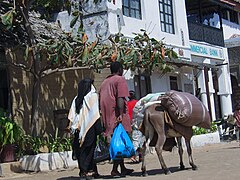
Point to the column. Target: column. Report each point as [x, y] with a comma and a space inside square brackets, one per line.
[211, 94]
[202, 85]
[225, 87]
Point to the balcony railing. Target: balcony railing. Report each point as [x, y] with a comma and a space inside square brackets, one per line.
[201, 32]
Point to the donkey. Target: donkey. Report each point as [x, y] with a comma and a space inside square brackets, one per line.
[162, 134]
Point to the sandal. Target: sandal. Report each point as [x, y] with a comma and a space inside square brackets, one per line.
[85, 176]
[96, 175]
[115, 174]
[133, 160]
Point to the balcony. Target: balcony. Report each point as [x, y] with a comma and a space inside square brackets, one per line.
[204, 33]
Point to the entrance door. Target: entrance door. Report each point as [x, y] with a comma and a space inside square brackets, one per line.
[173, 83]
[3, 82]
[142, 84]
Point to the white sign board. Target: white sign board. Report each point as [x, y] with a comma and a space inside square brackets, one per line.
[206, 51]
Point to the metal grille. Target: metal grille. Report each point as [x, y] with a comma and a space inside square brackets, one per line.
[200, 32]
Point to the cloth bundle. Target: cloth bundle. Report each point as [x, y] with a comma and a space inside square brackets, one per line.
[186, 109]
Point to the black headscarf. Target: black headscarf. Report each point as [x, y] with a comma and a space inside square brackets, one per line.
[84, 87]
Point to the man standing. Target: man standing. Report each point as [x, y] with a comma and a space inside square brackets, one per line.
[113, 105]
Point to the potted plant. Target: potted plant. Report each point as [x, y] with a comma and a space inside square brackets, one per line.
[10, 135]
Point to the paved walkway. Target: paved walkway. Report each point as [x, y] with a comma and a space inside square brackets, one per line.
[215, 162]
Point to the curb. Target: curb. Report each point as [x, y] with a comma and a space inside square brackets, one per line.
[10, 168]
[47, 161]
[204, 139]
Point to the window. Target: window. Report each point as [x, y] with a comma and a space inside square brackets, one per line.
[230, 15]
[132, 8]
[166, 16]
[173, 83]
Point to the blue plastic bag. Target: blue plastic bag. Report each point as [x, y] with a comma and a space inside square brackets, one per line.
[121, 145]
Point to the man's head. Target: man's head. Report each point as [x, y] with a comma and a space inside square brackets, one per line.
[116, 68]
[132, 95]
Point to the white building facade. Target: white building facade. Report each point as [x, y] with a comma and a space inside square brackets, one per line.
[207, 73]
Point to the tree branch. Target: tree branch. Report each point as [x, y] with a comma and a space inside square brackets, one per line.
[51, 71]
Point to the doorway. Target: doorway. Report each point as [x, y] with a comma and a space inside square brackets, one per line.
[142, 84]
[4, 90]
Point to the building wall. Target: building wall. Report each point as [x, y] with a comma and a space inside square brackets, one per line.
[151, 23]
[57, 92]
[230, 29]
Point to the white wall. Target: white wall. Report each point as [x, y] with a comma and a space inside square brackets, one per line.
[159, 83]
[151, 22]
[230, 29]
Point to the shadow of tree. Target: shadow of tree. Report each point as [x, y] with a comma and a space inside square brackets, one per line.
[57, 92]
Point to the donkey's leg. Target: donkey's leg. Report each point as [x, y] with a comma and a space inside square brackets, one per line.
[144, 147]
[180, 152]
[189, 150]
[159, 146]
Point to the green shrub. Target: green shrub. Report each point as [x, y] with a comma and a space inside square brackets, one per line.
[10, 131]
[199, 130]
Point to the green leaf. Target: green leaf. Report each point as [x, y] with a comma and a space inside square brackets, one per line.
[75, 13]
[117, 39]
[7, 18]
[26, 53]
[74, 21]
[85, 55]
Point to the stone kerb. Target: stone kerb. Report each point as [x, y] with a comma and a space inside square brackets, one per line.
[47, 161]
[204, 139]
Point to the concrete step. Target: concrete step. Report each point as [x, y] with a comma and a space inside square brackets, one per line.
[6, 169]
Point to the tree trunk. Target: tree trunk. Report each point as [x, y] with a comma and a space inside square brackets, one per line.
[37, 76]
[35, 105]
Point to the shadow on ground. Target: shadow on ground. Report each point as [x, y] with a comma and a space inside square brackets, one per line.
[151, 172]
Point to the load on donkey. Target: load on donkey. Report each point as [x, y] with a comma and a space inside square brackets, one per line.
[169, 119]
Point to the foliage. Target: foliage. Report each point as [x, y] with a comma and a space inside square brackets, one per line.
[57, 144]
[10, 131]
[140, 52]
[47, 7]
[199, 130]
[67, 51]
[34, 145]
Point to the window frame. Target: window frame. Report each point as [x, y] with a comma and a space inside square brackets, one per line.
[163, 12]
[129, 14]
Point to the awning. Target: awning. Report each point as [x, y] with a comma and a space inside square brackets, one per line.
[232, 42]
[180, 63]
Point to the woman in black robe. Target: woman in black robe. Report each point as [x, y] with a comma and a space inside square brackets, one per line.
[84, 152]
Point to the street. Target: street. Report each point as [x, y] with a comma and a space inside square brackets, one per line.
[216, 161]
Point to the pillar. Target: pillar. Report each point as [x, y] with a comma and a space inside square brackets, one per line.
[225, 87]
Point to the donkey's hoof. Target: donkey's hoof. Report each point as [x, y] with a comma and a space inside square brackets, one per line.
[194, 167]
[182, 167]
[167, 172]
[144, 174]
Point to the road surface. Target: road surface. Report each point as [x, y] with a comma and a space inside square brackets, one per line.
[215, 162]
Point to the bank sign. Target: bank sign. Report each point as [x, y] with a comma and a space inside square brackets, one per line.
[206, 51]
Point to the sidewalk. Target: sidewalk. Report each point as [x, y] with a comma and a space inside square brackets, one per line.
[216, 161]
